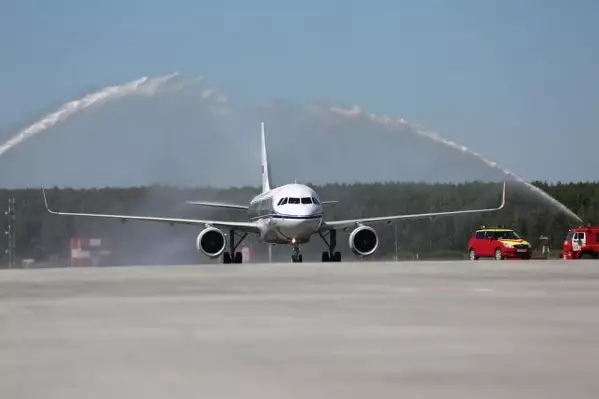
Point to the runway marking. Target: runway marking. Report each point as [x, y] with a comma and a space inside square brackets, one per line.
[482, 290]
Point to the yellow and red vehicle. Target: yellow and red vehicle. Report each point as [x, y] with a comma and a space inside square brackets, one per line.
[581, 243]
[499, 243]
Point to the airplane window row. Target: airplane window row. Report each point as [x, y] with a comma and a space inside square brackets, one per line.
[295, 200]
[261, 208]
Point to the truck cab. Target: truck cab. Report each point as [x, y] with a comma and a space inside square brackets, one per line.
[581, 243]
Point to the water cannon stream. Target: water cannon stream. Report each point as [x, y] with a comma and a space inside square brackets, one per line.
[419, 130]
[143, 86]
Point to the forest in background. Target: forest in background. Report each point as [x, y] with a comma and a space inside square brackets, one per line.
[46, 237]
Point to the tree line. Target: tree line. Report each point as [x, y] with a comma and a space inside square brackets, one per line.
[46, 237]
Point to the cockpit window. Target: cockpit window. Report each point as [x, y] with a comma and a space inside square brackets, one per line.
[306, 200]
[314, 200]
[294, 200]
[282, 201]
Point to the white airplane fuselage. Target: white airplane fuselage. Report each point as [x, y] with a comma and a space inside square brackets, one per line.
[287, 214]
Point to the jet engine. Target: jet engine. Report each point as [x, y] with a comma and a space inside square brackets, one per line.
[211, 242]
[363, 241]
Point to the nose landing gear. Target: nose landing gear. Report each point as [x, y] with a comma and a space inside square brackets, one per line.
[296, 255]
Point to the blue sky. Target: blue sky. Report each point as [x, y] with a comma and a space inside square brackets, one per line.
[515, 80]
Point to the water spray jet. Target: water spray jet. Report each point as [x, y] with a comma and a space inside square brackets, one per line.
[419, 130]
[143, 85]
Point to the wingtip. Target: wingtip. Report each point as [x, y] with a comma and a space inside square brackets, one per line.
[503, 195]
[45, 200]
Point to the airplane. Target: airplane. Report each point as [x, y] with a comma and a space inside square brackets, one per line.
[286, 215]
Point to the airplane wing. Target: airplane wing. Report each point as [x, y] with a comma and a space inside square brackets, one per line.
[217, 204]
[249, 227]
[344, 224]
[328, 202]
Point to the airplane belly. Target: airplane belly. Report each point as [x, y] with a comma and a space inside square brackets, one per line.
[300, 229]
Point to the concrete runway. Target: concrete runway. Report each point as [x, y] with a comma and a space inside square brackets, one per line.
[482, 329]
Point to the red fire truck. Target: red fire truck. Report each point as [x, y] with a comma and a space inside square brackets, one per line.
[582, 243]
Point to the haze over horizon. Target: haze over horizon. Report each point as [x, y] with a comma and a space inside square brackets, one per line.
[521, 92]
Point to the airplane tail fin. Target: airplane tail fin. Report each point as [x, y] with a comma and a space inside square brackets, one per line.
[265, 169]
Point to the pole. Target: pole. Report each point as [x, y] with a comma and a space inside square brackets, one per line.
[10, 232]
[395, 236]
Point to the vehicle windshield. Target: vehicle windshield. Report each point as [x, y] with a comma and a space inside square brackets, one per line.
[570, 234]
[505, 235]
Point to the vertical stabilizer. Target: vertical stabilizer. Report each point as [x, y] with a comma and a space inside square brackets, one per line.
[265, 168]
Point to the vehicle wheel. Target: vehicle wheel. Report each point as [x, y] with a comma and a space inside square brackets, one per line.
[325, 257]
[472, 254]
[300, 258]
[498, 254]
[337, 257]
[226, 258]
[586, 255]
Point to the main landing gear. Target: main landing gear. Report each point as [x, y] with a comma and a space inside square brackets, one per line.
[238, 258]
[331, 255]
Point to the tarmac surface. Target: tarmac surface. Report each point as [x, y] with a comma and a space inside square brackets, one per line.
[486, 329]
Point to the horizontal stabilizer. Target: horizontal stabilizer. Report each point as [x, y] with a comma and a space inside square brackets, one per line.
[217, 204]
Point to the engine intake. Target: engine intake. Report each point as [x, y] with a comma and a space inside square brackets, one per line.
[211, 242]
[363, 241]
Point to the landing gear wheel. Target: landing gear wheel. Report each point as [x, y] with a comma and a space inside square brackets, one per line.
[331, 255]
[296, 256]
[498, 254]
[472, 255]
[238, 257]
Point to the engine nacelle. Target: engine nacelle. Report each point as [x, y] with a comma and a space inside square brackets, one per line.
[363, 241]
[211, 242]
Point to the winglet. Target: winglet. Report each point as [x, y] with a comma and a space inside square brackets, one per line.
[46, 200]
[502, 197]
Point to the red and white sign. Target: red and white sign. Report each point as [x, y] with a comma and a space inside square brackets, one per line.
[88, 251]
